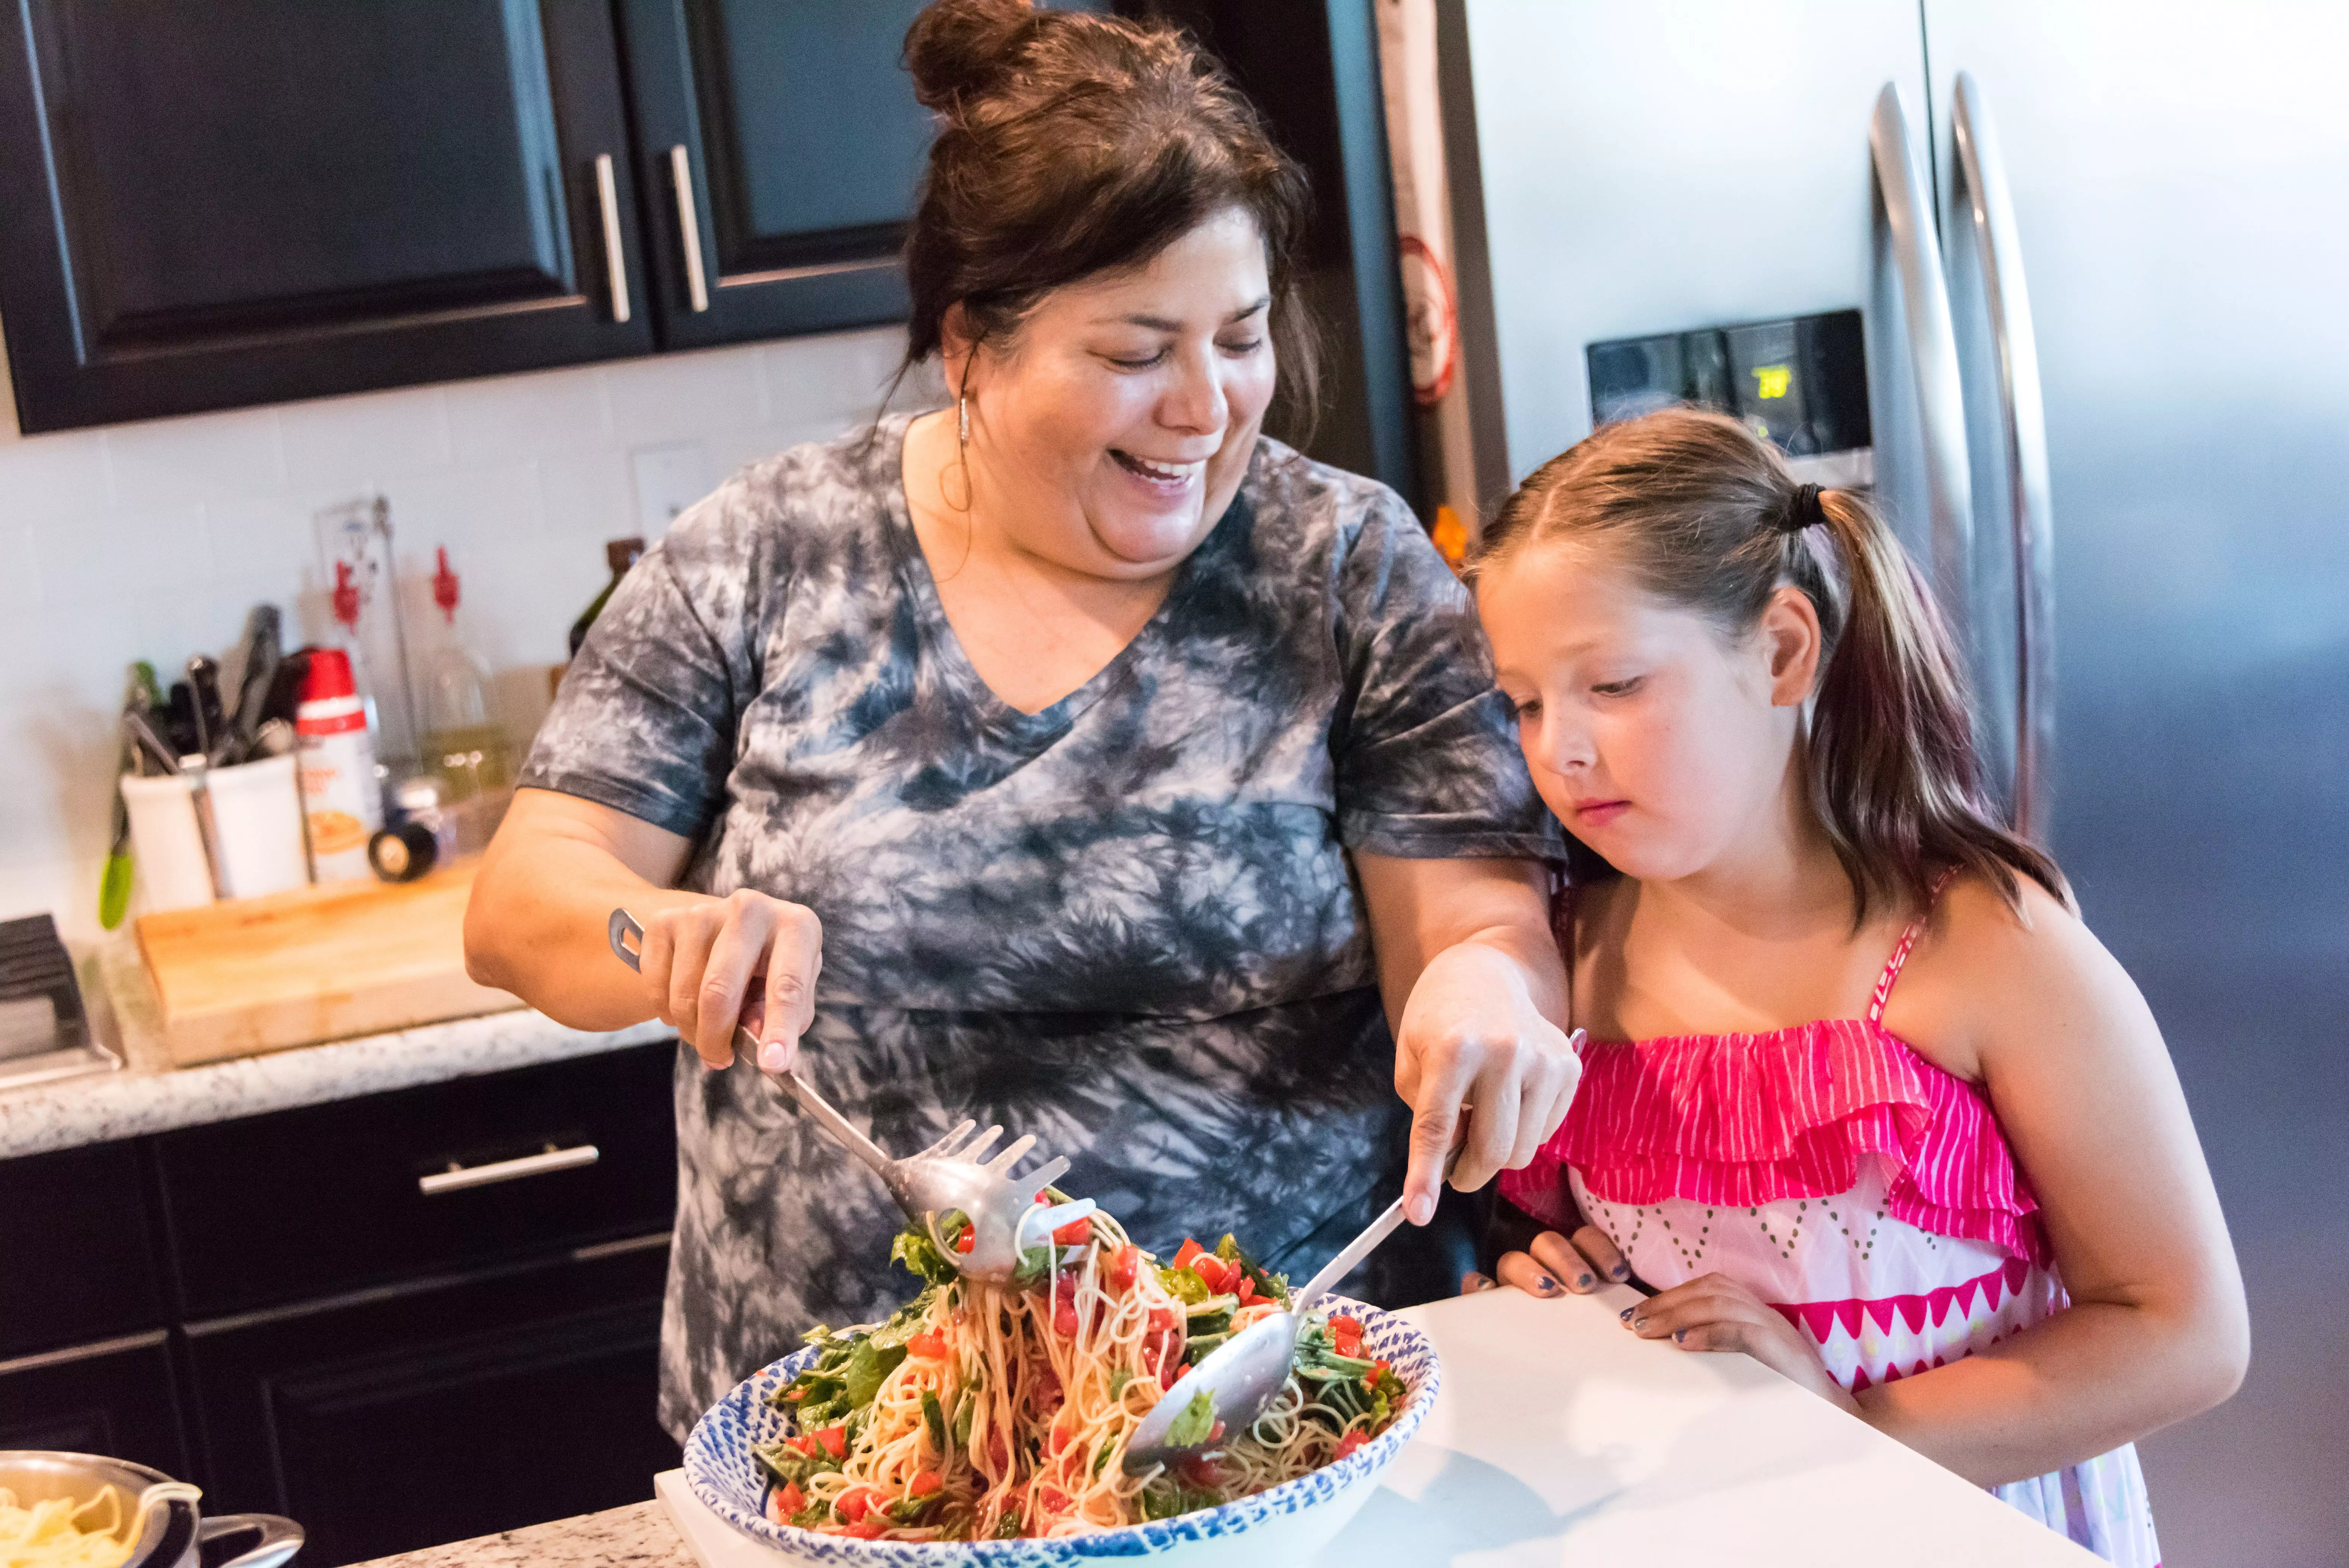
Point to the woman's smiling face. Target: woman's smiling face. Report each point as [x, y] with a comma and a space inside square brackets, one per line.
[1659, 744]
[1112, 432]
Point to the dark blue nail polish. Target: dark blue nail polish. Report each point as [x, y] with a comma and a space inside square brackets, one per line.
[1679, 1336]
[1585, 1281]
[1545, 1283]
[1620, 1272]
[1625, 1315]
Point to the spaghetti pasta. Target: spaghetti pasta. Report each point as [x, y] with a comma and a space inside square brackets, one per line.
[54, 1534]
[978, 1411]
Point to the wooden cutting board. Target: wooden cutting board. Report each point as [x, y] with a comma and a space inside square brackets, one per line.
[248, 975]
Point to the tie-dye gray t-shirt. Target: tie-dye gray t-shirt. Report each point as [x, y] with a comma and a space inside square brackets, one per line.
[1125, 924]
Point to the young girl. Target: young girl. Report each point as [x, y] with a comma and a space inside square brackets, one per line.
[1863, 1095]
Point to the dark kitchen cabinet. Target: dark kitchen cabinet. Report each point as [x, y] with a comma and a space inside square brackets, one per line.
[77, 1249]
[409, 1418]
[247, 201]
[591, 1145]
[782, 148]
[117, 1396]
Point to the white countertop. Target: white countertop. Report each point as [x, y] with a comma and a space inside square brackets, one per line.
[151, 1096]
[1560, 1439]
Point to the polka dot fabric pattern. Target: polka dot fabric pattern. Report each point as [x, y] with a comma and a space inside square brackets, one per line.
[1290, 1520]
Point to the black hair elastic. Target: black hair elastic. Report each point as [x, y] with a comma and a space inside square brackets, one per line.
[1802, 510]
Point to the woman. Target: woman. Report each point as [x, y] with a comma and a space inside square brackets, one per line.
[1074, 757]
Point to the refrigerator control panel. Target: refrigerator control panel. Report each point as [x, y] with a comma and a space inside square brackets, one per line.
[1802, 382]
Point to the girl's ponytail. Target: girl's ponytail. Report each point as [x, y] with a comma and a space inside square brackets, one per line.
[1894, 776]
[1706, 514]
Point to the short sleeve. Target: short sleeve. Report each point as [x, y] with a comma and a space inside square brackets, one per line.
[1428, 765]
[644, 719]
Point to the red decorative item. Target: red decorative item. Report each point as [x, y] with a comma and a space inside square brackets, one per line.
[444, 588]
[346, 596]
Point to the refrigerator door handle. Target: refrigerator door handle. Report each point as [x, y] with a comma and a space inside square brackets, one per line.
[1989, 210]
[1907, 195]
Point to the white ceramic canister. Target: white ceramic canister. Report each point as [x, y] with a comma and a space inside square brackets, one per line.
[166, 843]
[258, 828]
[342, 803]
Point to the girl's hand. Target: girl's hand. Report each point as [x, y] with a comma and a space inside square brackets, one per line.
[1716, 1312]
[1551, 1264]
[1473, 1037]
[747, 959]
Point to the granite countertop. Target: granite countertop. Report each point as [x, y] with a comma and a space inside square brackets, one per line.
[149, 1096]
[637, 1536]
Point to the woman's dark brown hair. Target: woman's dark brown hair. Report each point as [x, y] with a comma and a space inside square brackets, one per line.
[1705, 514]
[1071, 144]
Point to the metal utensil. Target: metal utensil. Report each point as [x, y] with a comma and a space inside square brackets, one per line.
[237, 742]
[945, 1179]
[1241, 1376]
[171, 1532]
[141, 729]
[203, 686]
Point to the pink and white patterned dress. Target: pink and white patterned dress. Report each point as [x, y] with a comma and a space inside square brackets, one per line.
[1863, 1191]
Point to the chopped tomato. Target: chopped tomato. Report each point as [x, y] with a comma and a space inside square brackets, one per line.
[1162, 1318]
[1215, 1434]
[1247, 1289]
[1064, 1321]
[1123, 1264]
[1346, 1334]
[805, 1444]
[1371, 1378]
[1188, 1254]
[929, 1347]
[1170, 1374]
[834, 1440]
[967, 1239]
[1199, 1472]
[792, 1499]
[1350, 1442]
[1075, 1233]
[865, 1530]
[854, 1505]
[924, 1483]
[1213, 1273]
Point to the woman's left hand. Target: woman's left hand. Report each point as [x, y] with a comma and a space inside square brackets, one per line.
[1716, 1312]
[1472, 1038]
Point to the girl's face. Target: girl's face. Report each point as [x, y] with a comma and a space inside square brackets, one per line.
[1659, 744]
[1111, 433]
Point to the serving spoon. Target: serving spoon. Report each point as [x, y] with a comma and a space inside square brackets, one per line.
[1241, 1376]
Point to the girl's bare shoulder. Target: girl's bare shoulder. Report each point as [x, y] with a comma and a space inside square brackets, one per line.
[1989, 975]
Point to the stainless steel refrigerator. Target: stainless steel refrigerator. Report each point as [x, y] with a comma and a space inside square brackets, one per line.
[2099, 253]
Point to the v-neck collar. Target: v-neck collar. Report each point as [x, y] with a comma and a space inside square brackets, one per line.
[998, 716]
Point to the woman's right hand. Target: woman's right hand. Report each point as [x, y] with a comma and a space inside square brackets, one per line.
[744, 959]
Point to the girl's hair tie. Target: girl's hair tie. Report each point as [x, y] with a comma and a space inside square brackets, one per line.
[1802, 510]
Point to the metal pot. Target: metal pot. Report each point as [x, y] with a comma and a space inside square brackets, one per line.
[174, 1533]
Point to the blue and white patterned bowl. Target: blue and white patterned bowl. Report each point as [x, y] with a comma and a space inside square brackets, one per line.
[1287, 1524]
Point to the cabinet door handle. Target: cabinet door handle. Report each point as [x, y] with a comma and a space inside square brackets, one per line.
[458, 1178]
[680, 168]
[607, 196]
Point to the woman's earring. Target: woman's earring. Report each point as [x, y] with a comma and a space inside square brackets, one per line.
[962, 428]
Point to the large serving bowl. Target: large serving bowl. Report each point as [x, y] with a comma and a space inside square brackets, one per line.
[1287, 1524]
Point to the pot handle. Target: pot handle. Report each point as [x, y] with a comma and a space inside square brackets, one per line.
[280, 1538]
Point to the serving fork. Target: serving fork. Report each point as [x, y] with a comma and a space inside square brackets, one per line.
[948, 1177]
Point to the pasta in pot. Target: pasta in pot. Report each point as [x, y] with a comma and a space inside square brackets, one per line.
[980, 1411]
[53, 1534]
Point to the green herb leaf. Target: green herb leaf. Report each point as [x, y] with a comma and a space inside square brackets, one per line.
[868, 1363]
[921, 1255]
[934, 1417]
[963, 1414]
[1197, 1419]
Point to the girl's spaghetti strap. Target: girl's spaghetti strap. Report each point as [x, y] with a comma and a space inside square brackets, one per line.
[1900, 949]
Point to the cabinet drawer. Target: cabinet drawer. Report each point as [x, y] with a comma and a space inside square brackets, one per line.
[116, 1398]
[412, 1418]
[76, 1264]
[307, 1203]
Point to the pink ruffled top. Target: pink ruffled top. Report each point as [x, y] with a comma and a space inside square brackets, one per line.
[1746, 1119]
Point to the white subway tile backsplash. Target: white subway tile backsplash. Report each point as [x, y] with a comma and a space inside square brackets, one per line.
[366, 439]
[161, 462]
[152, 541]
[671, 397]
[508, 416]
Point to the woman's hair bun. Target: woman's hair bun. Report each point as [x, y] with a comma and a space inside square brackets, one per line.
[957, 49]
